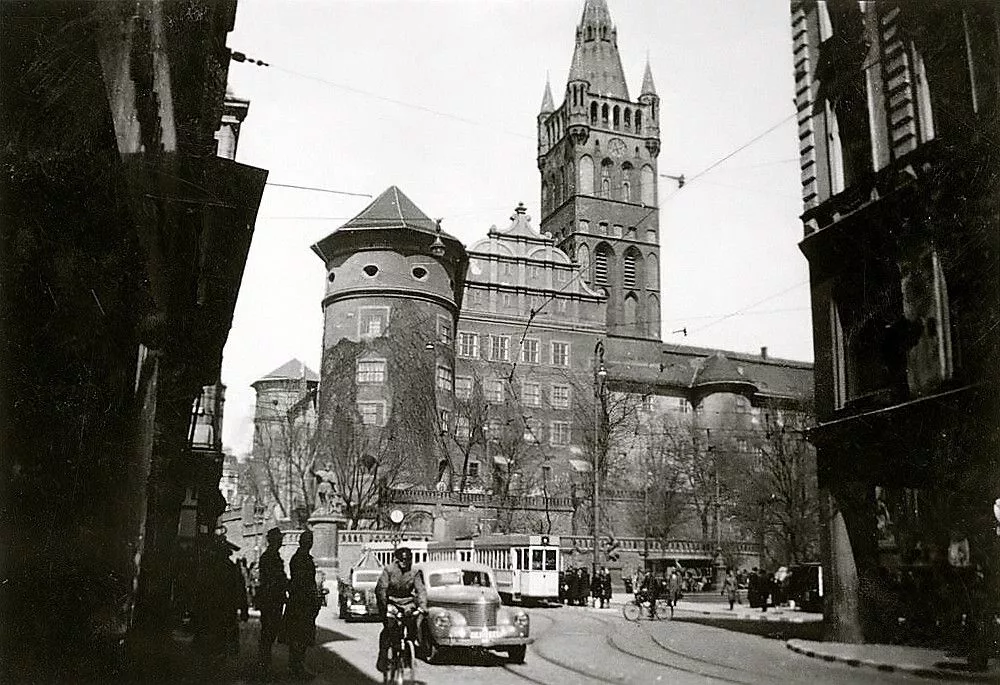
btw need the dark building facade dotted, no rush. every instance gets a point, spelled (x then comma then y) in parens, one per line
(125, 237)
(898, 122)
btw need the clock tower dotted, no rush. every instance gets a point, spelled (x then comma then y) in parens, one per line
(597, 158)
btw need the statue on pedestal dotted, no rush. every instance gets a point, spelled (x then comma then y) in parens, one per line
(330, 502)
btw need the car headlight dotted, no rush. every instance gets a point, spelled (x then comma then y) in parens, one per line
(358, 597)
(442, 621)
(521, 619)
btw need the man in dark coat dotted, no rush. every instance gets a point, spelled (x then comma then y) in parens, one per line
(221, 602)
(270, 595)
(303, 605)
(596, 589)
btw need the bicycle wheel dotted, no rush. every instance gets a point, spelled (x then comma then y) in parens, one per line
(632, 611)
(411, 661)
(662, 611)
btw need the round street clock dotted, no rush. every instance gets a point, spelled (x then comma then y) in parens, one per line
(617, 148)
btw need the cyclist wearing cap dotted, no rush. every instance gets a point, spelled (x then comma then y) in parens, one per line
(402, 587)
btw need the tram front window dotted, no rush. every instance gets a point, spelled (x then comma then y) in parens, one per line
(550, 560)
(537, 556)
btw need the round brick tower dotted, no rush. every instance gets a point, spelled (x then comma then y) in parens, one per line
(393, 293)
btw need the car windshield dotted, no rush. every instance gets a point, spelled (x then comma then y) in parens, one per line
(366, 576)
(469, 578)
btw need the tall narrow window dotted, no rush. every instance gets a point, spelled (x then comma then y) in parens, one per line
(925, 113)
(560, 354)
(444, 378)
(468, 344)
(586, 172)
(600, 267)
(835, 156)
(606, 178)
(648, 179)
(628, 271)
(627, 182)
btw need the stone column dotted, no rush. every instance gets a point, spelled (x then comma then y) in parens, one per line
(326, 535)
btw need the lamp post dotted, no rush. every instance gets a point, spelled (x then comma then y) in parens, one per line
(399, 520)
(600, 374)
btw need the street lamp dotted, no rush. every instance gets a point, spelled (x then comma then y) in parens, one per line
(645, 528)
(600, 374)
(399, 520)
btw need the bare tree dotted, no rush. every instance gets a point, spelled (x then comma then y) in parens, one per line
(284, 456)
(665, 503)
(781, 501)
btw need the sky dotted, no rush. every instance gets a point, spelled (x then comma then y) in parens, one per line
(440, 98)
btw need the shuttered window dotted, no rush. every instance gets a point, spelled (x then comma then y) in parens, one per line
(601, 268)
(628, 275)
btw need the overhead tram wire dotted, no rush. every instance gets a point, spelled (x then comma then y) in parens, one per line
(241, 57)
(317, 190)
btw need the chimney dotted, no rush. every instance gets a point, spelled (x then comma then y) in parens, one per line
(763, 352)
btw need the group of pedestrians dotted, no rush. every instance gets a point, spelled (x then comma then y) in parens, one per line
(577, 587)
(288, 605)
(649, 589)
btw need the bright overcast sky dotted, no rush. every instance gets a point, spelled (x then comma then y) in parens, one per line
(439, 97)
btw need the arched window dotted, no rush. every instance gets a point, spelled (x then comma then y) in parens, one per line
(593, 114)
(638, 121)
(628, 118)
(632, 269)
(627, 182)
(583, 257)
(652, 271)
(606, 178)
(602, 258)
(615, 118)
(653, 316)
(648, 189)
(586, 183)
(546, 199)
(604, 114)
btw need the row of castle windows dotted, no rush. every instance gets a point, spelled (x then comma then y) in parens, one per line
(514, 302)
(559, 434)
(614, 117)
(531, 392)
(614, 183)
(633, 267)
(497, 348)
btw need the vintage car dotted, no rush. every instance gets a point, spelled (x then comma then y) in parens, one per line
(357, 594)
(464, 611)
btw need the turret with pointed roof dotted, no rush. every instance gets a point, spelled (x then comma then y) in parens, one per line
(393, 292)
(597, 154)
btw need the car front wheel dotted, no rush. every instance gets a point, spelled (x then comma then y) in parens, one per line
(516, 654)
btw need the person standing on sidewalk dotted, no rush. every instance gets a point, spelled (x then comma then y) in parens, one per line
(673, 591)
(729, 588)
(596, 590)
(270, 596)
(303, 606)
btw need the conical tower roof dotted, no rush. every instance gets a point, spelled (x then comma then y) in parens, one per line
(595, 58)
(293, 369)
(391, 209)
(648, 87)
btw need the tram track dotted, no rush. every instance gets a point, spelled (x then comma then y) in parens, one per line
(611, 636)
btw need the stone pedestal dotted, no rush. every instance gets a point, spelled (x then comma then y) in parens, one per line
(326, 536)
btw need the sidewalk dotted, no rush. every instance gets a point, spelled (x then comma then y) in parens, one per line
(719, 608)
(928, 663)
(175, 660)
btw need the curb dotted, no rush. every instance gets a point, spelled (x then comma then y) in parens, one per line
(886, 667)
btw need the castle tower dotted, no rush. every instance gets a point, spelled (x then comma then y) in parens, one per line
(597, 158)
(393, 294)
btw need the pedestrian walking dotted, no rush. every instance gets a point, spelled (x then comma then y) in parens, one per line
(584, 587)
(596, 589)
(673, 591)
(302, 607)
(753, 589)
(729, 588)
(763, 589)
(272, 589)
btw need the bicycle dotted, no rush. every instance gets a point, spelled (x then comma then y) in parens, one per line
(634, 611)
(402, 656)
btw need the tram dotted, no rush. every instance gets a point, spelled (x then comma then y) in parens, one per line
(526, 567)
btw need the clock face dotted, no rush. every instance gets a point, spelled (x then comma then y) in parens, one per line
(617, 148)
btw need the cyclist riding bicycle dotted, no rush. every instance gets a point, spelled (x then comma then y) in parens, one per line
(648, 593)
(403, 589)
